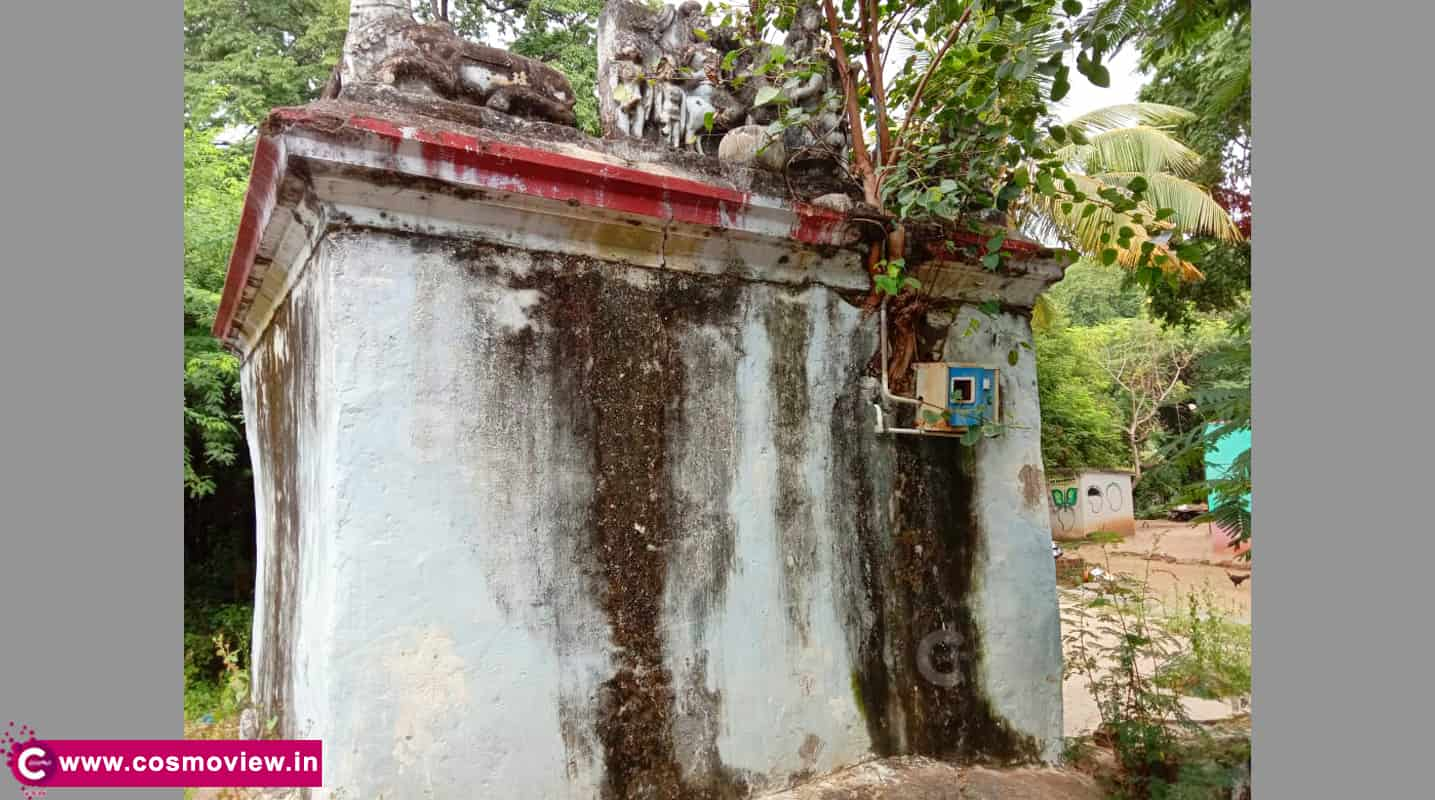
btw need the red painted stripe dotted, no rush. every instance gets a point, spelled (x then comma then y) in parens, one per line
(259, 199)
(816, 225)
(516, 168)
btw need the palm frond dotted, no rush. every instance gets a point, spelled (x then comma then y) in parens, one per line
(1082, 230)
(1197, 213)
(1120, 20)
(1154, 115)
(1139, 149)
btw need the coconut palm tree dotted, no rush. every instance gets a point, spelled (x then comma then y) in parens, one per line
(1128, 146)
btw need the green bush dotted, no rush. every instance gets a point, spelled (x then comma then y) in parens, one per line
(1216, 660)
(216, 659)
(1137, 667)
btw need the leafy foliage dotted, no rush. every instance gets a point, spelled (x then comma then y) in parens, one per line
(1214, 661)
(214, 190)
(244, 57)
(1137, 666)
(1114, 643)
(1080, 420)
(1128, 148)
(1091, 294)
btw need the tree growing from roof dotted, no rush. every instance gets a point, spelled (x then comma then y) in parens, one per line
(948, 105)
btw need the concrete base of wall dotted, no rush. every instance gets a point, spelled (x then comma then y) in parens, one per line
(917, 778)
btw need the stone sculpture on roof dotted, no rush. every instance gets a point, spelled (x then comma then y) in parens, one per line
(670, 77)
(390, 56)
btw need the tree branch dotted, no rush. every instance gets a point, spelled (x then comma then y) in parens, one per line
(860, 159)
(873, 52)
(913, 107)
(892, 37)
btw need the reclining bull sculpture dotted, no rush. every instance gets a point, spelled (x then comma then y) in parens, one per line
(387, 47)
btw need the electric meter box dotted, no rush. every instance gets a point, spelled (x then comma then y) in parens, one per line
(969, 393)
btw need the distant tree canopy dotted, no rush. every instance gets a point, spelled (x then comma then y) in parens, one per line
(244, 57)
(1091, 294)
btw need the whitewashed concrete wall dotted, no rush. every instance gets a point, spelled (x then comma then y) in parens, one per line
(435, 424)
(560, 501)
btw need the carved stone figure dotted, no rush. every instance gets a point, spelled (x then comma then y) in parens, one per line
(679, 87)
(675, 26)
(806, 39)
(668, 76)
(387, 47)
(631, 99)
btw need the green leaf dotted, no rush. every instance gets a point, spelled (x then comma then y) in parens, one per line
(1099, 75)
(730, 60)
(766, 95)
(972, 436)
(1108, 256)
(1137, 184)
(1060, 85)
(708, 118)
(1013, 356)
(992, 260)
(1071, 7)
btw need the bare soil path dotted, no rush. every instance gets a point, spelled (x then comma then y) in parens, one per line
(1176, 559)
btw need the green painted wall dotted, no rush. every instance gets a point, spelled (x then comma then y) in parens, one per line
(1219, 457)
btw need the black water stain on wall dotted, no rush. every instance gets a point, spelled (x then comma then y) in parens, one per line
(789, 328)
(920, 555)
(613, 345)
(914, 552)
(703, 442)
(284, 385)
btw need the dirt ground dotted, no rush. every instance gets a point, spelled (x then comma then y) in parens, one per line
(1176, 558)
